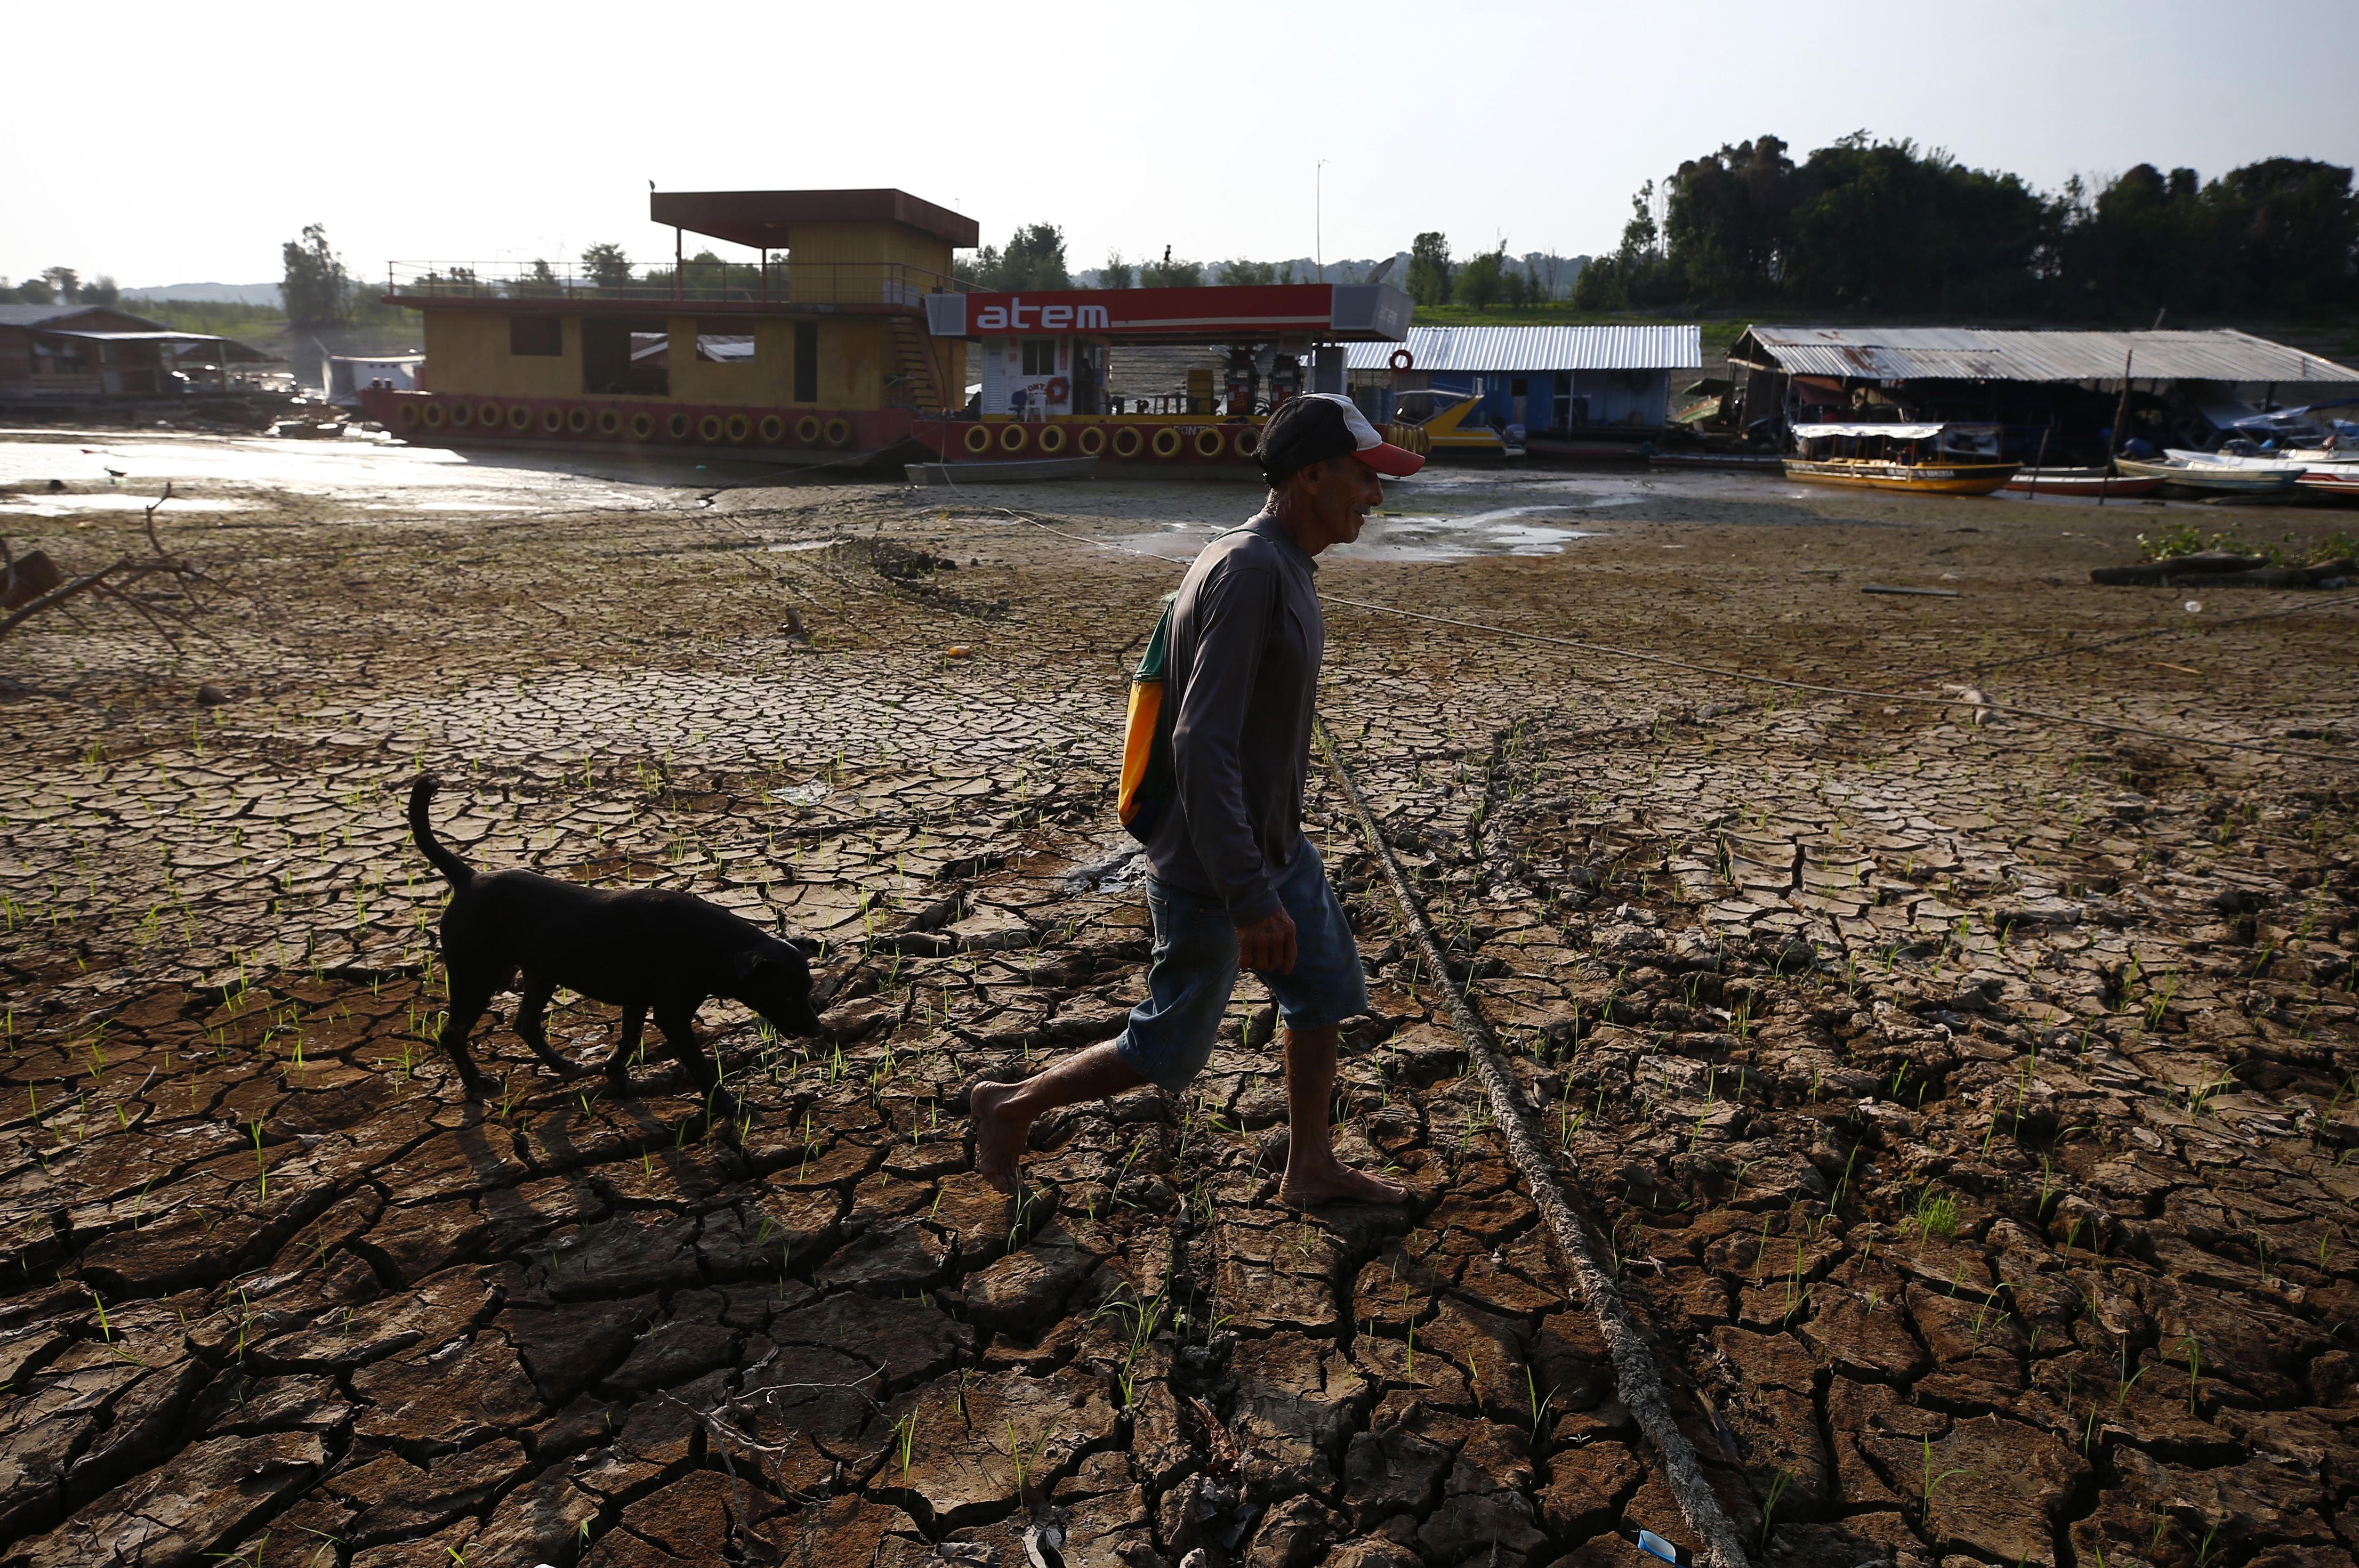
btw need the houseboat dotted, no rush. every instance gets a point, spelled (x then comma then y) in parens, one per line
(1924, 459)
(845, 339)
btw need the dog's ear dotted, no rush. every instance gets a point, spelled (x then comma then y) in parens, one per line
(747, 965)
(807, 947)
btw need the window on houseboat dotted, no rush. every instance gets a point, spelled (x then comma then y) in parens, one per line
(806, 361)
(723, 342)
(1039, 356)
(535, 334)
(621, 355)
(1971, 443)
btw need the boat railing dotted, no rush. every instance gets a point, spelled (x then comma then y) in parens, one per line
(776, 281)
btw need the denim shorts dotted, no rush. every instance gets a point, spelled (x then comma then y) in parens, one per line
(1194, 969)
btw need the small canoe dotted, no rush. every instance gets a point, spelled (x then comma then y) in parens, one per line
(1001, 474)
(2099, 482)
(2226, 479)
(1917, 479)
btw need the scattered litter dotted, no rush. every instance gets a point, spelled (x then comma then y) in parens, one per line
(1973, 697)
(1915, 592)
(809, 794)
(1654, 1545)
(2194, 606)
(958, 651)
(1044, 1541)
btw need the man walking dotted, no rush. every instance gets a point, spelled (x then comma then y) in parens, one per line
(1232, 881)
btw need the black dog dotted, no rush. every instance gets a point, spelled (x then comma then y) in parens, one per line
(646, 950)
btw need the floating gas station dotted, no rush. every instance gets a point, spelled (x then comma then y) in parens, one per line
(847, 340)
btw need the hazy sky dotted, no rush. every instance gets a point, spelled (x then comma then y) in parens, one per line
(181, 143)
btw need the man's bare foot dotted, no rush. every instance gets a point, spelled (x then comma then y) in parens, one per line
(1335, 1182)
(998, 1136)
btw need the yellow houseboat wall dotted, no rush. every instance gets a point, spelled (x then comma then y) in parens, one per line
(468, 353)
(837, 263)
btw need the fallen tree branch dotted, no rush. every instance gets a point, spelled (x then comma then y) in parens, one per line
(109, 581)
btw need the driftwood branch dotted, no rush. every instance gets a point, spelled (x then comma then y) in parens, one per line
(109, 581)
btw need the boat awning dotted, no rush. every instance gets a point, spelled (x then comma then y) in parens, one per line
(1897, 432)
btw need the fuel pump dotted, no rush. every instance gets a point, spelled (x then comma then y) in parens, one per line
(1242, 382)
(1285, 380)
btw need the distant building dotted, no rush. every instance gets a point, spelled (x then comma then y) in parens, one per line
(843, 335)
(1549, 380)
(2059, 391)
(68, 352)
(346, 376)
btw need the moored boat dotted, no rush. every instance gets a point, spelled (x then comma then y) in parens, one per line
(1924, 459)
(1458, 430)
(2197, 470)
(2102, 482)
(2340, 488)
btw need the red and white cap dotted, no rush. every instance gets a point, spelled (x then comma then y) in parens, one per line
(1321, 425)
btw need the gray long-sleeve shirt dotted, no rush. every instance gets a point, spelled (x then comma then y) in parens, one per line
(1247, 638)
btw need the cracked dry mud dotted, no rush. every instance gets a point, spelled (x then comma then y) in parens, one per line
(1967, 1105)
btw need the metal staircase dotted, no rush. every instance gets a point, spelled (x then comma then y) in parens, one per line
(915, 380)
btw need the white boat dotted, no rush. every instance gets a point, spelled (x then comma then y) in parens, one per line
(2203, 473)
(2245, 464)
(2101, 483)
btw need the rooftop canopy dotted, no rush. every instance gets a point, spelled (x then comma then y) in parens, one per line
(1232, 314)
(1891, 432)
(1483, 349)
(234, 350)
(761, 218)
(1963, 353)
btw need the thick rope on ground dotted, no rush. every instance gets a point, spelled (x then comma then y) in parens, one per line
(1635, 1378)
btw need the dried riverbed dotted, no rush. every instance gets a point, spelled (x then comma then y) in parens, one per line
(1965, 1104)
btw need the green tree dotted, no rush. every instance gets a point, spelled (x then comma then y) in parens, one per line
(100, 290)
(67, 282)
(316, 288)
(2284, 234)
(1429, 269)
(1878, 225)
(1517, 287)
(36, 291)
(1240, 272)
(1728, 220)
(1034, 259)
(607, 265)
(1483, 279)
(1170, 274)
(1117, 273)
(1600, 287)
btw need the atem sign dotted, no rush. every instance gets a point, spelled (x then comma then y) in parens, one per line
(1010, 317)
(1198, 315)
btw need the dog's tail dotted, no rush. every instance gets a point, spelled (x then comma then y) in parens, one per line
(457, 870)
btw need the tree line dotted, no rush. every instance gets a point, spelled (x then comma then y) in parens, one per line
(59, 285)
(1882, 225)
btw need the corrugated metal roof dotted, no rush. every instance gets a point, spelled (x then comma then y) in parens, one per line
(1960, 353)
(1488, 349)
(36, 315)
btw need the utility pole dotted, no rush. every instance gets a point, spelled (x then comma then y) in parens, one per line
(1318, 219)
